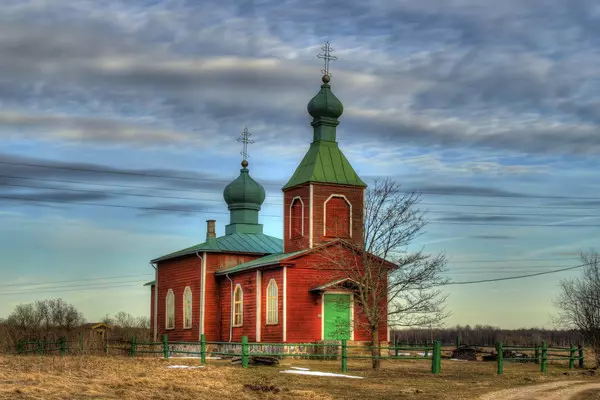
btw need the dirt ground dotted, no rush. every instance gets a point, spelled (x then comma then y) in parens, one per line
(87, 377)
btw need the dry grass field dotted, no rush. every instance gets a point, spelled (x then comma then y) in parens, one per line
(88, 377)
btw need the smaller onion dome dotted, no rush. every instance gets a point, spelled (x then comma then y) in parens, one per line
(244, 191)
(325, 104)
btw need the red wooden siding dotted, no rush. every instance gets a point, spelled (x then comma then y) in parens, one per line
(272, 333)
(354, 195)
(298, 242)
(152, 290)
(296, 219)
(215, 308)
(304, 309)
(337, 218)
(177, 274)
(247, 281)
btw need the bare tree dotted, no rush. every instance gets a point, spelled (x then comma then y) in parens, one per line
(392, 284)
(579, 301)
(46, 317)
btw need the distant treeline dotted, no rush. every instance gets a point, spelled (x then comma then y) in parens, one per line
(487, 335)
(54, 318)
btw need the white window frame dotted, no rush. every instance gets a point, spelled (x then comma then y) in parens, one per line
(238, 288)
(187, 308)
(302, 218)
(169, 308)
(325, 213)
(272, 303)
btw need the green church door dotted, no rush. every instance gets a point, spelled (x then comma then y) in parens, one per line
(337, 316)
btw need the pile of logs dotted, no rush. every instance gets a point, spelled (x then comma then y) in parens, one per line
(257, 360)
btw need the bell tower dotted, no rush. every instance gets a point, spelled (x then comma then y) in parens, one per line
(324, 198)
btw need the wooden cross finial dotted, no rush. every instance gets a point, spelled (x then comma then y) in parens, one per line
(245, 140)
(327, 57)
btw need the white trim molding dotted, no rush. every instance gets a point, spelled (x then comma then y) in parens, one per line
(302, 218)
(170, 294)
(241, 322)
(351, 311)
(185, 306)
(310, 216)
(325, 213)
(285, 304)
(258, 304)
(203, 293)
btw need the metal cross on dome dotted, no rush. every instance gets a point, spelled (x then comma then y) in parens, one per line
(327, 57)
(245, 140)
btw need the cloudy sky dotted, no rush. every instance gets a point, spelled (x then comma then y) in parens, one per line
(119, 123)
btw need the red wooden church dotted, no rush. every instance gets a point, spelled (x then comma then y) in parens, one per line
(273, 290)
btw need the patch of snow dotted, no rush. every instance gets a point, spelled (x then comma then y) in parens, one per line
(457, 359)
(185, 366)
(423, 354)
(317, 373)
(300, 369)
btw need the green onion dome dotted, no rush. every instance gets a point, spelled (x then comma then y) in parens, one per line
(244, 192)
(325, 104)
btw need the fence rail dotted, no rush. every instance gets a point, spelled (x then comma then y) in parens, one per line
(340, 350)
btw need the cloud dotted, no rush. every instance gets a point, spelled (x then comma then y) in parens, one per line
(483, 84)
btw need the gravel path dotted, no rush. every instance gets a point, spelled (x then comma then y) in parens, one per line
(564, 390)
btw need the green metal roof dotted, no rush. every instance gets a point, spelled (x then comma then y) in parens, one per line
(325, 162)
(260, 262)
(236, 242)
(149, 283)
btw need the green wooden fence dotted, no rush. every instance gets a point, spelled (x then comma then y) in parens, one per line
(340, 350)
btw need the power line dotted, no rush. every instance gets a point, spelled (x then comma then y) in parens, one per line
(274, 204)
(513, 260)
(278, 196)
(430, 192)
(72, 290)
(193, 211)
(76, 280)
(516, 277)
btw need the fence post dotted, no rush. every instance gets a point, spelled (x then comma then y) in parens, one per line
(20, 346)
(344, 356)
(81, 342)
(132, 351)
(40, 346)
(165, 343)
(436, 358)
(500, 350)
(544, 356)
(63, 347)
(537, 354)
(457, 342)
(203, 348)
(572, 357)
(580, 348)
(396, 348)
(244, 351)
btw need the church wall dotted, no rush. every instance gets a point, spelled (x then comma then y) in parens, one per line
(297, 243)
(214, 310)
(176, 274)
(247, 280)
(272, 333)
(304, 322)
(354, 194)
(152, 291)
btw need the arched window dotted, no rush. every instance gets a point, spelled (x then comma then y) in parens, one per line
(272, 306)
(238, 306)
(296, 218)
(187, 308)
(337, 217)
(170, 310)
